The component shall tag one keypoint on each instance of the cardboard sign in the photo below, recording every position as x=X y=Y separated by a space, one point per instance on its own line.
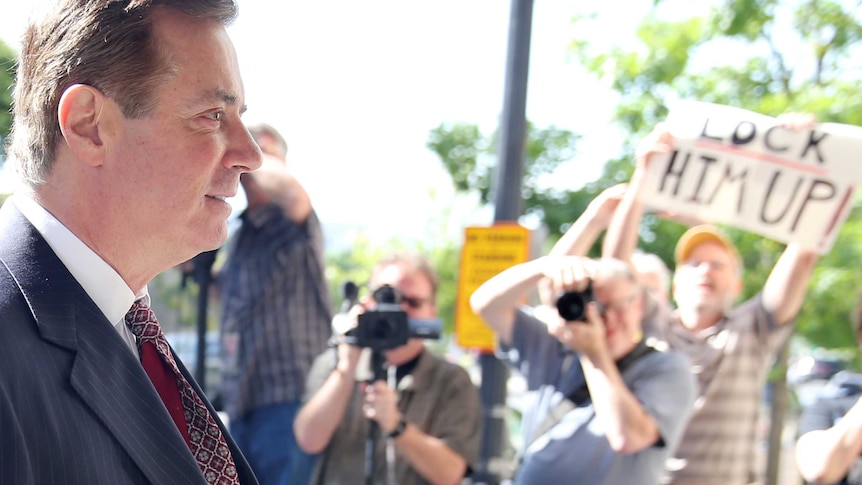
x=486 y=252
x=741 y=168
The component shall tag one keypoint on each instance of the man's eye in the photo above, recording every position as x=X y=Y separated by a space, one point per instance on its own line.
x=215 y=116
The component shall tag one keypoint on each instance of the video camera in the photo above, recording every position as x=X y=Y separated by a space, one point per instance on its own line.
x=387 y=326
x=572 y=305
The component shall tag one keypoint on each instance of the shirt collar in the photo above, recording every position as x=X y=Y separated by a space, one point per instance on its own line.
x=100 y=281
x=418 y=375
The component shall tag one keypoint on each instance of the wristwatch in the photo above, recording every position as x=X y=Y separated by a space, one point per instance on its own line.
x=399 y=428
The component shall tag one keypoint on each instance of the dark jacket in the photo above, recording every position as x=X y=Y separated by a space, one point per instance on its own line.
x=76 y=406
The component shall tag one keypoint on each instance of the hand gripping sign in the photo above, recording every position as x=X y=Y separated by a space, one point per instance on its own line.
x=741 y=168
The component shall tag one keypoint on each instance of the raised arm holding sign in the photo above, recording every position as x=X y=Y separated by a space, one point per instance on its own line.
x=722 y=165
x=748 y=170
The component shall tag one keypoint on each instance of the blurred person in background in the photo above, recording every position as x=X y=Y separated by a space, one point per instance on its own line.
x=603 y=407
x=653 y=274
x=829 y=443
x=275 y=314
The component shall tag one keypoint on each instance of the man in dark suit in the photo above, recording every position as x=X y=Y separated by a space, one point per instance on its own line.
x=127 y=139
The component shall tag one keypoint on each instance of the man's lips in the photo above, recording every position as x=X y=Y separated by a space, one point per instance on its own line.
x=223 y=195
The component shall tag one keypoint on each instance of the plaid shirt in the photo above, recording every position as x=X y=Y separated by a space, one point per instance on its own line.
x=276 y=310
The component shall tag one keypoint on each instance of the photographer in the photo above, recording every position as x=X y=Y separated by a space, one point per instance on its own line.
x=604 y=407
x=432 y=415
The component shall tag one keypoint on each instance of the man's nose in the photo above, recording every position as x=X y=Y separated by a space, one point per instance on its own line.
x=243 y=152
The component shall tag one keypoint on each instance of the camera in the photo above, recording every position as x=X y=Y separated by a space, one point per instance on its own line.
x=387 y=326
x=572 y=305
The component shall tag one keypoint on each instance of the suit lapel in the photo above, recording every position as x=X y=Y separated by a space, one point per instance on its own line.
x=108 y=378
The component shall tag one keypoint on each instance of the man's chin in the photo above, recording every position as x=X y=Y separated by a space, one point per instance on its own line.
x=698 y=306
x=215 y=238
x=699 y=297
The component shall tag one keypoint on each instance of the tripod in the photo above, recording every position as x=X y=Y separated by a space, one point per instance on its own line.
x=378 y=370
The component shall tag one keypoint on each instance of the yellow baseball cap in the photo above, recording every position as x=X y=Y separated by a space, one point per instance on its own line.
x=698 y=235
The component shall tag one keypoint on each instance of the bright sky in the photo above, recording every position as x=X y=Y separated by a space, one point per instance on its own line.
x=355 y=87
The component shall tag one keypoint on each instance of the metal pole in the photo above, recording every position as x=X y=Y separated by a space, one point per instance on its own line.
x=203 y=264
x=777 y=415
x=513 y=125
x=507 y=196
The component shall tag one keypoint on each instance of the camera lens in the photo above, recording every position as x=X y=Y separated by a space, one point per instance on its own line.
x=571 y=306
x=384 y=328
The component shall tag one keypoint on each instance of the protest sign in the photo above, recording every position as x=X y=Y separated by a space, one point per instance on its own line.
x=741 y=168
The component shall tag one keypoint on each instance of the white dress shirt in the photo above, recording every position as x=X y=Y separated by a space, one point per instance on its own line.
x=101 y=282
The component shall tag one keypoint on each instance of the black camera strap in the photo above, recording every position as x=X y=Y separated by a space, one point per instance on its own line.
x=581 y=396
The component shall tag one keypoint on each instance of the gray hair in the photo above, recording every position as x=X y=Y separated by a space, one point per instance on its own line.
x=612 y=269
x=651 y=263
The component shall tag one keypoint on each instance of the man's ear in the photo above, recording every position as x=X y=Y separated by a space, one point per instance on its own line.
x=80 y=115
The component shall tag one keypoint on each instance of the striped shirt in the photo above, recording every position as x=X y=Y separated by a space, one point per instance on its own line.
x=276 y=311
x=730 y=361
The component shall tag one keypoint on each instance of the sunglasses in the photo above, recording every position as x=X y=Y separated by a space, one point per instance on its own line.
x=414 y=302
x=388 y=294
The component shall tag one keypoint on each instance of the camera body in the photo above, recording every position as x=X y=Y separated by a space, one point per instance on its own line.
x=572 y=305
x=387 y=326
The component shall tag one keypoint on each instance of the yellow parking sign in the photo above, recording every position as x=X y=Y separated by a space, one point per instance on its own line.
x=486 y=252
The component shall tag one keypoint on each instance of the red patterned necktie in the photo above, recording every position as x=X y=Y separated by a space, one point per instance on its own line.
x=194 y=421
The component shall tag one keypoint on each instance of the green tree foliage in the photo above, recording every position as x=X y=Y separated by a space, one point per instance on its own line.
x=768 y=56
x=7 y=76
x=470 y=158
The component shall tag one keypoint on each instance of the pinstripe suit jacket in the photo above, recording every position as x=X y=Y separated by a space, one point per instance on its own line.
x=76 y=407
